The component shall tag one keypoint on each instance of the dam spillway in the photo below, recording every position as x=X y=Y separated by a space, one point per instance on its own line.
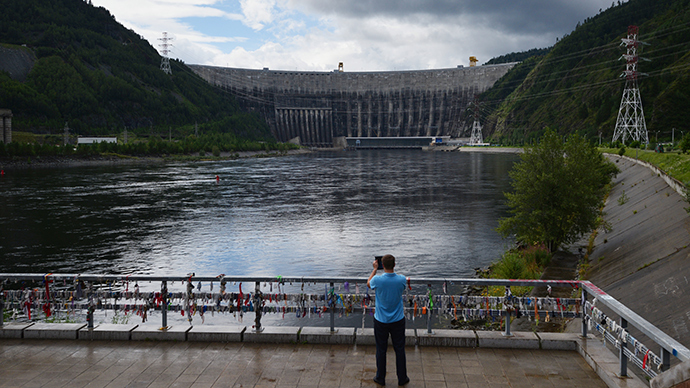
x=321 y=109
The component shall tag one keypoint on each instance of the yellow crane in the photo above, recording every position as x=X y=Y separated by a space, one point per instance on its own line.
x=473 y=61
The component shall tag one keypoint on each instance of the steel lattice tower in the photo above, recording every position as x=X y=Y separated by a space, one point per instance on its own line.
x=476 y=136
x=165 y=50
x=630 y=121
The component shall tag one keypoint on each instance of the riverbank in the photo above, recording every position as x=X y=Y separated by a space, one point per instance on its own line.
x=641 y=258
x=110 y=159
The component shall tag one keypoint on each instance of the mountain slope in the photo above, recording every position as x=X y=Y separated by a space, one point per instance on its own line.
x=576 y=86
x=82 y=67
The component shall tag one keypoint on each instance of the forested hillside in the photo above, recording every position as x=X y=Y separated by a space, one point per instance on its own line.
x=576 y=87
x=68 y=61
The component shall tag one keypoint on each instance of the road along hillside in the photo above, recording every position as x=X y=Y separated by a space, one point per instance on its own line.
x=643 y=259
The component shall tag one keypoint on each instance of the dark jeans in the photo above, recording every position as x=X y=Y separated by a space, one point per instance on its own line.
x=397 y=333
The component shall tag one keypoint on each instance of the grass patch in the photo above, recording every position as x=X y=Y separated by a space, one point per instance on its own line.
x=673 y=163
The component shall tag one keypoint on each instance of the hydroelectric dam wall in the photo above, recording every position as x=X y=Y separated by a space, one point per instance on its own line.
x=320 y=109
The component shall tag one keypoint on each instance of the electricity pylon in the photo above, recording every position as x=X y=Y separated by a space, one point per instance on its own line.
x=165 y=50
x=630 y=122
x=476 y=137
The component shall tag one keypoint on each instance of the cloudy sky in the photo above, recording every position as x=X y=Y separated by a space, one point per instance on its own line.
x=366 y=35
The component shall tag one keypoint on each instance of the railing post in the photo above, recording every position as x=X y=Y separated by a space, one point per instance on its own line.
x=164 y=308
x=665 y=359
x=507 y=308
x=331 y=306
x=2 y=312
x=257 y=307
x=92 y=306
x=624 y=345
x=429 y=311
x=584 y=318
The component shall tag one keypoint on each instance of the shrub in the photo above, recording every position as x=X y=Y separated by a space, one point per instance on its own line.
x=621 y=151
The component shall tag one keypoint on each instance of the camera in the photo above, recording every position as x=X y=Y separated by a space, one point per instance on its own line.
x=378 y=260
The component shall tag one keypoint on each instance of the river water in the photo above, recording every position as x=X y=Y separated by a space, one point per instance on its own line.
x=319 y=214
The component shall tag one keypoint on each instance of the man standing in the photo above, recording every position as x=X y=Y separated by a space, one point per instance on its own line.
x=389 y=318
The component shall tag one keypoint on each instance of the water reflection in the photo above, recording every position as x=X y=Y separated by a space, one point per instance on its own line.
x=318 y=214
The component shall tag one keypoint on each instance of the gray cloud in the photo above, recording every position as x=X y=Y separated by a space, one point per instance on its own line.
x=510 y=16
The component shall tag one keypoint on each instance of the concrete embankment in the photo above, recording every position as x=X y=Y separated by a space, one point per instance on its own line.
x=643 y=259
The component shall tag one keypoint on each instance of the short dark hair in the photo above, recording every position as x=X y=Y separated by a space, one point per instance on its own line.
x=388 y=261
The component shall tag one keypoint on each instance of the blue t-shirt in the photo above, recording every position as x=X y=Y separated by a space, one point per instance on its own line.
x=389 y=289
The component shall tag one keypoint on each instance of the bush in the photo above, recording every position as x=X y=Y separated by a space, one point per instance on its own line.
x=538 y=255
x=216 y=151
x=621 y=151
x=635 y=144
x=511 y=266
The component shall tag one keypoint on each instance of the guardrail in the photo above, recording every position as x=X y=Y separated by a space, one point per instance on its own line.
x=51 y=293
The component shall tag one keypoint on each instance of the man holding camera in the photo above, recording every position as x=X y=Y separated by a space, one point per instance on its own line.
x=389 y=318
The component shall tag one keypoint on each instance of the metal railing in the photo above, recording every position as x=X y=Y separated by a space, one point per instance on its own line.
x=617 y=334
x=50 y=293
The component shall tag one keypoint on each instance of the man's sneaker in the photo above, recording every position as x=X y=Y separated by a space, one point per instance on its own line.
x=407 y=380
x=379 y=382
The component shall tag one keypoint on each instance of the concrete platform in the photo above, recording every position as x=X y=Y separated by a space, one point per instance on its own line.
x=153 y=364
x=366 y=337
x=458 y=338
x=273 y=334
x=54 y=330
x=108 y=331
x=496 y=339
x=216 y=333
x=13 y=330
x=558 y=341
x=153 y=333
x=323 y=335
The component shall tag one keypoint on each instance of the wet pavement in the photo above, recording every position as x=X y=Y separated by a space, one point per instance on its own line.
x=74 y=364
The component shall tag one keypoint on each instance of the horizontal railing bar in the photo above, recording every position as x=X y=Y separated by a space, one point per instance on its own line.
x=288 y=279
x=651 y=331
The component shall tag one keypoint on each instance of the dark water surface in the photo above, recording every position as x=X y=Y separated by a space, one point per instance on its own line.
x=321 y=214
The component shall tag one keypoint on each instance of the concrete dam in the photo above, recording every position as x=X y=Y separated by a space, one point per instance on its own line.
x=321 y=109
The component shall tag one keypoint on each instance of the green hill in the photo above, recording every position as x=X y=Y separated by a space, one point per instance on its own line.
x=68 y=61
x=576 y=88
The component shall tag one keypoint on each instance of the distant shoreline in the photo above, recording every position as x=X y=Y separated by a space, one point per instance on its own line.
x=105 y=160
x=493 y=150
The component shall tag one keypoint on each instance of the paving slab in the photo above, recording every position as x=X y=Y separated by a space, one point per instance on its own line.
x=108 y=331
x=14 y=330
x=214 y=333
x=153 y=333
x=54 y=330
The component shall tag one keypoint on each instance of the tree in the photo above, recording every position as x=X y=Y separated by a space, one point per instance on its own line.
x=685 y=143
x=558 y=189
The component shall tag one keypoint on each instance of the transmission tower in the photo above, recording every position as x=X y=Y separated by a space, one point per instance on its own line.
x=165 y=50
x=476 y=137
x=630 y=122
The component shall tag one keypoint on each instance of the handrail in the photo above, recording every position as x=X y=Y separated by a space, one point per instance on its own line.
x=676 y=348
x=288 y=279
